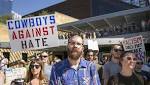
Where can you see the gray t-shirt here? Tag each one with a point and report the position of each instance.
(110, 69)
(47, 71)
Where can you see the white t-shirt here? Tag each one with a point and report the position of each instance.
(47, 70)
(3, 63)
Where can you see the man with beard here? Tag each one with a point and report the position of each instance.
(74, 70)
(112, 67)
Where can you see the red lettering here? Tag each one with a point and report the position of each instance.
(38, 32)
(134, 41)
(28, 34)
(45, 31)
(139, 39)
(52, 29)
(14, 35)
(20, 33)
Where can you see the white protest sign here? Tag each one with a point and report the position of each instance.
(33, 33)
(14, 73)
(93, 45)
(135, 44)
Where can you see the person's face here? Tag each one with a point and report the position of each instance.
(139, 64)
(90, 56)
(35, 68)
(117, 51)
(129, 61)
(44, 57)
(75, 47)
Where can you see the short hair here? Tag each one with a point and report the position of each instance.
(75, 35)
(88, 51)
(112, 47)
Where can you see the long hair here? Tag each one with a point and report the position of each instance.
(29, 73)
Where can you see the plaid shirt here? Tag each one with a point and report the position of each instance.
(63, 74)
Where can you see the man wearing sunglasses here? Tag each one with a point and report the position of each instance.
(112, 67)
(74, 70)
(47, 66)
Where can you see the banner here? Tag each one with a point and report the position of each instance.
(33, 33)
(135, 44)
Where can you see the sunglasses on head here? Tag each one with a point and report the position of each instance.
(139, 63)
(118, 50)
(129, 58)
(36, 66)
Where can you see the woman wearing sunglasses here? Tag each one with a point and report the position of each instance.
(35, 73)
(127, 75)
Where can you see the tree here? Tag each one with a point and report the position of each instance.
(3, 19)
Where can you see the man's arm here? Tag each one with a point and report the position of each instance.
(106, 74)
(95, 76)
(53, 78)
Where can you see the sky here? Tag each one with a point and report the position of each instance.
(24, 7)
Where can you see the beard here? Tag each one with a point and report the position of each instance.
(74, 54)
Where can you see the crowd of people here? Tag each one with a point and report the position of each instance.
(35, 72)
(115, 30)
(82, 68)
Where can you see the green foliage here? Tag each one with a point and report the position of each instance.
(44, 13)
(3, 19)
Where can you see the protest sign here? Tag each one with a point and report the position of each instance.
(135, 44)
(33, 33)
(93, 45)
(14, 73)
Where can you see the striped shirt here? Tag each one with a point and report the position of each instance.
(63, 74)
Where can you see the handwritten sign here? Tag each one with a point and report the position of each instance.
(14, 73)
(93, 45)
(136, 45)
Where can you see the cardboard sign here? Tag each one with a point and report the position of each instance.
(93, 45)
(33, 33)
(136, 45)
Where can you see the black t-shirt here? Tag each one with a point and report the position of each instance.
(123, 80)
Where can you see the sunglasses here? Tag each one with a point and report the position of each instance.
(44, 56)
(139, 63)
(118, 50)
(36, 66)
(129, 58)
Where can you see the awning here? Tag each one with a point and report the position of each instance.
(15, 56)
(107, 20)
